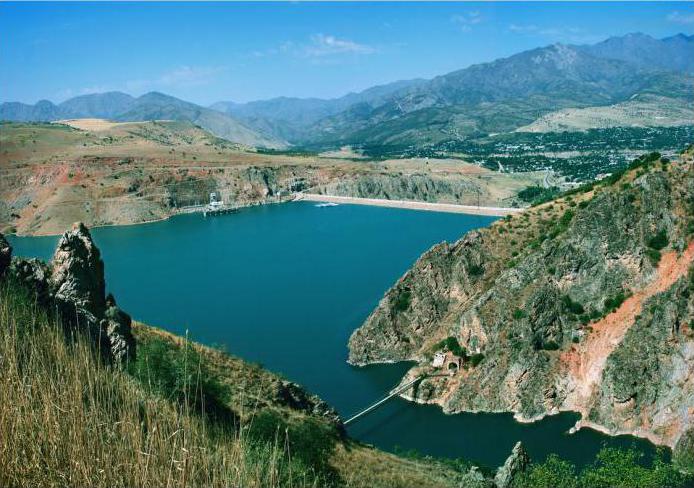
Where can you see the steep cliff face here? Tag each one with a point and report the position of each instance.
(581, 304)
(419, 186)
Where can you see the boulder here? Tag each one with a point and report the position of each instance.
(5, 254)
(515, 464)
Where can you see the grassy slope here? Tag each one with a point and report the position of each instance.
(66, 419)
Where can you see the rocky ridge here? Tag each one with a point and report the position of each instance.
(583, 304)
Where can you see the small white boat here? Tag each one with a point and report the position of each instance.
(327, 204)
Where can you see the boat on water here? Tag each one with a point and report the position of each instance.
(327, 204)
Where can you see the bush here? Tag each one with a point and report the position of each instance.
(550, 345)
(179, 374)
(615, 467)
(613, 303)
(403, 301)
(476, 359)
(537, 195)
(571, 306)
(475, 270)
(553, 473)
(309, 441)
(612, 468)
(653, 256)
(519, 314)
(659, 241)
(451, 343)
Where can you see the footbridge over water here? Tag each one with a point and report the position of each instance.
(392, 394)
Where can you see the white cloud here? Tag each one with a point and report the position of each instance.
(320, 48)
(680, 18)
(466, 20)
(180, 77)
(326, 45)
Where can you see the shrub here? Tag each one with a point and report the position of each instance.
(309, 441)
(553, 473)
(659, 241)
(519, 314)
(476, 359)
(550, 345)
(613, 303)
(403, 301)
(571, 306)
(475, 270)
(653, 256)
(180, 374)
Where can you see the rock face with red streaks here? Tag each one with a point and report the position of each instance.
(527, 300)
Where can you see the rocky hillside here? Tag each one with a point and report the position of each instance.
(119, 173)
(585, 303)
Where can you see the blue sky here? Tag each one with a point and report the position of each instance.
(205, 52)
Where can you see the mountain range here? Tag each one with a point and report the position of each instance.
(498, 96)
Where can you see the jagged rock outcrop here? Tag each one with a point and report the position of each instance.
(77, 276)
(33, 275)
(5, 254)
(118, 327)
(73, 285)
(514, 465)
(296, 397)
(572, 305)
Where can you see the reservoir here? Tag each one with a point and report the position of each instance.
(286, 285)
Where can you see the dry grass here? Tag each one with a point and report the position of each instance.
(68, 420)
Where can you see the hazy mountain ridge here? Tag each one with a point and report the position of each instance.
(119, 106)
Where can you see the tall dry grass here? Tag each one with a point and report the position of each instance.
(66, 419)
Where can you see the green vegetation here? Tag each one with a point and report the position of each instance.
(476, 359)
(452, 344)
(536, 195)
(475, 270)
(571, 306)
(519, 314)
(613, 468)
(659, 241)
(653, 256)
(613, 303)
(402, 302)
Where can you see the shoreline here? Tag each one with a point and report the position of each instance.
(313, 197)
(412, 205)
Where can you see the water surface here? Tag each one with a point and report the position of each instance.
(285, 286)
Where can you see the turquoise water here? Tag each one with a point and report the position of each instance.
(285, 286)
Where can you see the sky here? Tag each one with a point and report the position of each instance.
(207, 52)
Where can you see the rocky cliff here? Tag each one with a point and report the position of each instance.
(73, 285)
(584, 304)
